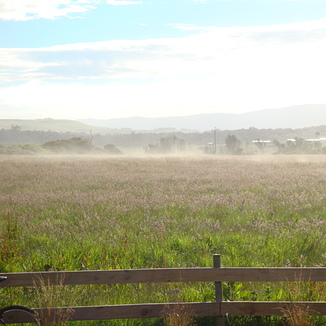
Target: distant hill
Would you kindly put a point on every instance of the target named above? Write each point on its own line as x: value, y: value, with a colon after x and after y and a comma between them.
x: 291, y: 117
x: 56, y: 125
x: 294, y: 117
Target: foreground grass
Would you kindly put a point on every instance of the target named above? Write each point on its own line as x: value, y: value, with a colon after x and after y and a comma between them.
x: 72, y: 213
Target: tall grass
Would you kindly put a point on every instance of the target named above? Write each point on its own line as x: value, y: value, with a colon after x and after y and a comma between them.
x: 48, y: 296
x: 74, y: 213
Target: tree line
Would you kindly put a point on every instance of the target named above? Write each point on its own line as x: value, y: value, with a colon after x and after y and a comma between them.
x: 230, y: 142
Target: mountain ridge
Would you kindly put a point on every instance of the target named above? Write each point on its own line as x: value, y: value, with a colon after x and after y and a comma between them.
x: 298, y: 116
x: 293, y: 117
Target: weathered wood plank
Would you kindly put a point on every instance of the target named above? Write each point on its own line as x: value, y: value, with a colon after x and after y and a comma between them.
x: 159, y: 310
x: 164, y: 275
x: 218, y: 290
x: 153, y: 310
x: 254, y: 308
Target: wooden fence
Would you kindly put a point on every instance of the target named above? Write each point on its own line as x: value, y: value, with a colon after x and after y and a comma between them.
x: 216, y: 274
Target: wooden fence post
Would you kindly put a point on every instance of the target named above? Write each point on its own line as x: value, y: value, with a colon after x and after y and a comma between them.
x: 218, y: 289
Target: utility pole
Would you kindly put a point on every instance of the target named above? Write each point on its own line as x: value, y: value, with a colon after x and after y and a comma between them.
x: 90, y: 137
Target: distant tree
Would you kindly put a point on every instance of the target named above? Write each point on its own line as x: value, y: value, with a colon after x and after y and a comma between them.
x: 172, y: 144
x: 323, y: 150
x: 15, y: 128
x: 298, y: 146
x: 280, y: 147
x: 233, y: 145
x: 260, y: 145
x: 152, y: 149
x: 112, y: 149
x: 73, y: 145
x: 22, y: 149
x: 317, y: 146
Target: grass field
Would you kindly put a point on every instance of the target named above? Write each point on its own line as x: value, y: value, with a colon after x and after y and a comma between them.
x: 74, y: 213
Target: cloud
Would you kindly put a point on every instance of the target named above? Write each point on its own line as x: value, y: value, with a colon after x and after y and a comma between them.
x: 213, y: 70
x: 122, y: 2
x: 48, y: 9
x: 262, y: 34
x: 190, y: 27
x: 207, y: 51
x: 112, y: 59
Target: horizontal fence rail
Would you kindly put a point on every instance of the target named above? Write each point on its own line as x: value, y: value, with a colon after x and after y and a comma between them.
x: 216, y: 275
x: 156, y: 310
x: 165, y: 275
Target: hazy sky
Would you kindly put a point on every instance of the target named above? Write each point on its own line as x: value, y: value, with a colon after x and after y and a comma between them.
x: 121, y: 58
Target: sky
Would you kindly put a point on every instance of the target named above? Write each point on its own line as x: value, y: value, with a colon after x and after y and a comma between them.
x: 103, y: 59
